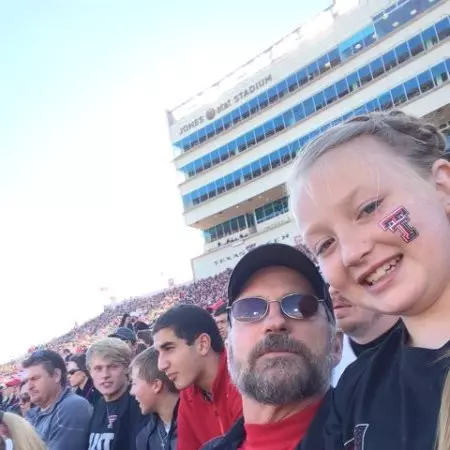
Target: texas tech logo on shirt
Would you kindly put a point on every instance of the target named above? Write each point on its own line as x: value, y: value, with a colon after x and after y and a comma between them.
x: 101, y: 441
x: 359, y: 434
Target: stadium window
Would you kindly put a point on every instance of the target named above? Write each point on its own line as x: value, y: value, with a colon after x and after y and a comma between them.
x: 402, y: 53
x: 330, y: 94
x: 364, y: 75
x: 398, y: 95
x: 269, y: 129
x: 210, y: 132
x: 232, y: 148
x: 224, y: 155
x: 220, y: 184
x: 242, y: 223
x: 275, y: 159
x: 254, y: 106
x: 288, y: 118
x: 272, y: 94
x: 282, y: 89
x: 229, y: 182
x: 259, y: 134
x: 247, y: 173
x: 334, y: 58
x: 415, y: 45
x: 369, y: 35
x: 385, y: 101
x: 263, y: 100
x: 308, y: 106
x: 198, y: 166
x: 234, y: 225
x: 218, y: 125
x: 439, y: 73
x: 215, y: 157
x: 236, y: 116
x: 245, y: 111
x: 377, y: 67
x: 342, y: 88
x: 443, y: 28
x: 353, y: 82
x: 237, y: 177
x: 201, y: 137
x: 324, y: 64
x: 265, y: 164
x: 227, y: 121
x: 390, y: 61
x: 425, y: 81
x: 256, y: 168
x: 319, y: 101
x: 312, y: 70
x: 429, y: 37
x: 302, y: 77
x: 373, y: 105
x: 212, y: 191
x: 412, y: 88
x: 292, y: 83
x: 250, y: 138
x: 278, y: 124
x: 299, y: 112
x: 285, y: 154
x: 241, y: 144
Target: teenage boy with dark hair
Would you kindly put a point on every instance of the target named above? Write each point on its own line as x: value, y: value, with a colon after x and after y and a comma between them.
x: 220, y: 317
x: 192, y: 354
x: 158, y: 397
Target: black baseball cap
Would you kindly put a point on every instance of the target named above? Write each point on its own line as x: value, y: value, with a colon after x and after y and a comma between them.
x: 271, y: 255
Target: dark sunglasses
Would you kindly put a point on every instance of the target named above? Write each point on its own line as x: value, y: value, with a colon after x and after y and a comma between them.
x: 294, y: 306
x: 73, y: 372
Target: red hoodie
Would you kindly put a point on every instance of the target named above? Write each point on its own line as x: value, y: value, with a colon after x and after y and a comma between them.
x: 201, y: 419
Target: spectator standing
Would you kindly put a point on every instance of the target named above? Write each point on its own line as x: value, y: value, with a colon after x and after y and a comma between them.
x: 60, y: 417
x: 192, y: 354
x: 117, y: 418
x: 157, y: 397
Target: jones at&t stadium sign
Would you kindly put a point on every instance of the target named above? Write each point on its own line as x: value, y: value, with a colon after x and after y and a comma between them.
x: 236, y: 99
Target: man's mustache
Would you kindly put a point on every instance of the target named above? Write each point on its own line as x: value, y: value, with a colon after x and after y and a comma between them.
x: 278, y: 343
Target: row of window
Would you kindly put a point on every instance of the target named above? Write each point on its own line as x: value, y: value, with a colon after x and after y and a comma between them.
x: 383, y: 24
x: 385, y: 63
x: 395, y: 97
x: 229, y: 227
x: 272, y: 209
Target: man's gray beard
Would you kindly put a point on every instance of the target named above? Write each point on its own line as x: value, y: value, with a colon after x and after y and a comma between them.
x: 284, y: 379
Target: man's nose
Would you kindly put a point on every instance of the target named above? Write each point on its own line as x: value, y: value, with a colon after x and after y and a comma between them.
x: 275, y: 321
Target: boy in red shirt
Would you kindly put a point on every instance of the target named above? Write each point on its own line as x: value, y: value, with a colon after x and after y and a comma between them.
x: 192, y: 354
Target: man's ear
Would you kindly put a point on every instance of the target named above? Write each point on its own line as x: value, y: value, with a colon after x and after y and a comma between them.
x: 203, y: 344
x: 157, y: 385
x: 57, y: 375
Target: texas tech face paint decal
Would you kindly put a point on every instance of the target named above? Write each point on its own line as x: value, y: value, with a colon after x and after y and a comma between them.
x: 398, y: 220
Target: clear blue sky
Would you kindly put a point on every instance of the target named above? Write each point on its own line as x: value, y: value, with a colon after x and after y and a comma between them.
x: 88, y: 196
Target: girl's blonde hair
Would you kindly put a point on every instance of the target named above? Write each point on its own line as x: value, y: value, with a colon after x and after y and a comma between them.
x: 443, y: 432
x: 21, y: 433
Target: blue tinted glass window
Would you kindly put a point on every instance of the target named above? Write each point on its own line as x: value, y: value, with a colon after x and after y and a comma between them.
x: 259, y: 134
x: 385, y: 101
x: 377, y: 67
x: 263, y: 100
x: 415, y: 45
x: 299, y: 112
x: 236, y: 116
x: 211, y: 188
x: 412, y: 88
x: 237, y: 177
x: 369, y: 35
x: 425, y: 81
x: 330, y: 94
x: 254, y: 106
x: 288, y: 118
x: 324, y: 64
x: 439, y: 74
x: 269, y: 129
x: 342, y: 88
x: 390, y: 60
x: 265, y: 164
x: 275, y: 159
x: 218, y: 126
x: 201, y: 136
x: 227, y: 121
x: 232, y: 148
x: 402, y: 53
x: 282, y: 89
x: 313, y: 70
x: 292, y: 83
x: 308, y: 105
x: 273, y: 96
x: 278, y: 124
x: 241, y: 143
x: 373, y: 105
x: 398, y: 95
x: 215, y: 157
x: 443, y: 28
x: 429, y: 37
x: 206, y: 162
x: 223, y: 151
x: 319, y: 101
x: 220, y: 184
x: 334, y: 57
x: 353, y: 82
x: 245, y: 111
x: 285, y: 154
x: 365, y: 76
x: 247, y: 173
x: 256, y: 168
x: 229, y: 182
x: 302, y: 77
x: 210, y: 132
x: 250, y: 138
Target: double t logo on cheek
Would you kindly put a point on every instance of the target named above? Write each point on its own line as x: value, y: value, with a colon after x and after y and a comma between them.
x: 398, y: 220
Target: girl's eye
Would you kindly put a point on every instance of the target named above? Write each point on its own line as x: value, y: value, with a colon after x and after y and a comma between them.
x: 323, y: 246
x: 369, y: 208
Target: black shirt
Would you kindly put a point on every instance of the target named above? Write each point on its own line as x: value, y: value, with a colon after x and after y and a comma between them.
x: 388, y: 399
x: 115, y: 425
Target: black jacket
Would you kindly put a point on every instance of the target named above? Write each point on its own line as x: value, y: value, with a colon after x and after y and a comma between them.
x: 236, y: 435
x: 150, y: 439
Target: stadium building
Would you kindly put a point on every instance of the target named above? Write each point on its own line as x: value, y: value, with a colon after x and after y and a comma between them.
x: 235, y: 141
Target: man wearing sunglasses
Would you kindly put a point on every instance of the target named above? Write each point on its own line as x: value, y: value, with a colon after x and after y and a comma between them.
x: 282, y: 348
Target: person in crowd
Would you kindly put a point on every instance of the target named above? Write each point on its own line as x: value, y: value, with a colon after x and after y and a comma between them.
x: 220, y: 317
x: 12, y: 403
x: 192, y: 354
x: 24, y: 399
x: 282, y: 348
x: 66, y: 354
x: 128, y: 336
x: 117, y: 418
x: 363, y: 329
x: 158, y: 398
x: 371, y: 198
x: 17, y: 433
x: 145, y: 337
x: 80, y: 379
x: 60, y: 417
x: 138, y: 323
x: 125, y: 322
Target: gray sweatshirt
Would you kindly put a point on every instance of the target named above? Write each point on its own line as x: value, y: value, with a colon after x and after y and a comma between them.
x: 65, y: 425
